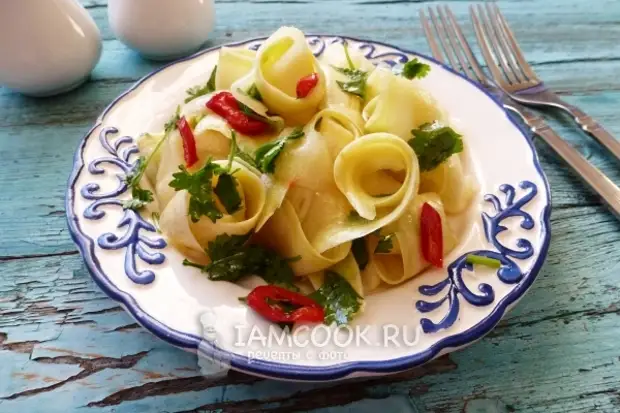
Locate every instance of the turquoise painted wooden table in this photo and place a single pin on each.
(64, 346)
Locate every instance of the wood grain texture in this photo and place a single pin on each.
(65, 347)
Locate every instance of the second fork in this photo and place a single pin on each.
(462, 58)
(516, 77)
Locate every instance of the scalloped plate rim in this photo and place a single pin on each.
(286, 371)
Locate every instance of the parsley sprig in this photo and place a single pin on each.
(197, 91)
(140, 197)
(338, 298)
(415, 69)
(267, 154)
(232, 258)
(200, 188)
(226, 188)
(433, 144)
(199, 185)
(356, 84)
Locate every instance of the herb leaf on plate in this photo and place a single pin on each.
(140, 197)
(227, 193)
(199, 187)
(338, 299)
(356, 83)
(231, 259)
(226, 188)
(197, 91)
(434, 144)
(415, 69)
(267, 154)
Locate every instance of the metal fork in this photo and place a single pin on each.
(515, 76)
(462, 59)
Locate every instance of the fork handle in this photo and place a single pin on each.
(591, 175)
(595, 129)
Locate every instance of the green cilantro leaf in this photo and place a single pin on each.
(134, 203)
(226, 191)
(225, 245)
(267, 154)
(385, 244)
(197, 91)
(338, 298)
(141, 197)
(433, 145)
(356, 85)
(226, 188)
(415, 69)
(199, 186)
(172, 123)
(236, 151)
(254, 93)
(231, 259)
(276, 270)
(360, 253)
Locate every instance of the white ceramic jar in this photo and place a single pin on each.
(162, 29)
(46, 47)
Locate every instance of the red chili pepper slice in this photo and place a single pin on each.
(265, 298)
(306, 84)
(225, 105)
(432, 235)
(189, 143)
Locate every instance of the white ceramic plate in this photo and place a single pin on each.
(433, 314)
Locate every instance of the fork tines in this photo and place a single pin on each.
(452, 40)
(498, 44)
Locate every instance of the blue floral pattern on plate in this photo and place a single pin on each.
(508, 273)
(135, 243)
